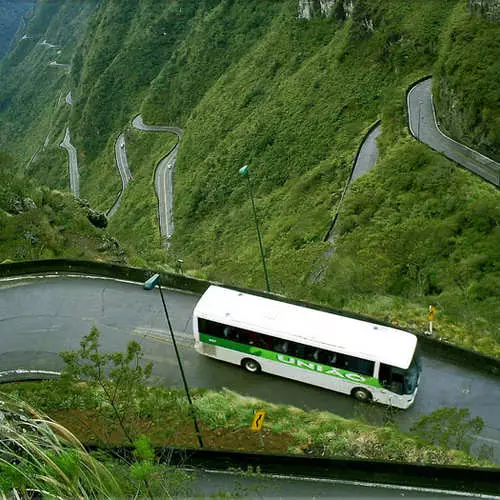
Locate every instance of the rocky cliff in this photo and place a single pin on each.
(466, 77)
(325, 8)
(490, 9)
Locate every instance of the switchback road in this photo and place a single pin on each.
(41, 317)
(123, 168)
(163, 177)
(74, 176)
(424, 127)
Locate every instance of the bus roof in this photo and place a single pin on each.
(308, 326)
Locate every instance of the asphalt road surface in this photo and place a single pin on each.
(74, 176)
(368, 154)
(163, 177)
(423, 126)
(215, 484)
(123, 168)
(41, 317)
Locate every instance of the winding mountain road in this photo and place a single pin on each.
(123, 168)
(424, 127)
(74, 175)
(163, 177)
(61, 310)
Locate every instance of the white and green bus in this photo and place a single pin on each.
(368, 361)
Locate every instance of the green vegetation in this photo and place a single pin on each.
(39, 223)
(11, 16)
(251, 83)
(40, 457)
(136, 221)
(466, 87)
(31, 90)
(115, 406)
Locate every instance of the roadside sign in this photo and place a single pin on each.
(258, 421)
(432, 313)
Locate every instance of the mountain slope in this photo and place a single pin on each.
(11, 15)
(467, 76)
(253, 83)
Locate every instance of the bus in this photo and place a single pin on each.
(368, 361)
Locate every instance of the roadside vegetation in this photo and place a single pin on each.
(40, 223)
(292, 98)
(136, 221)
(467, 74)
(106, 399)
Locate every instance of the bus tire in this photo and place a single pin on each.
(250, 365)
(361, 394)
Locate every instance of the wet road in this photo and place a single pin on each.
(74, 175)
(123, 169)
(41, 317)
(163, 177)
(423, 126)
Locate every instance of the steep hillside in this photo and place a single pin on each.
(32, 90)
(39, 223)
(292, 95)
(11, 16)
(467, 78)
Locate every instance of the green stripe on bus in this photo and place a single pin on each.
(290, 360)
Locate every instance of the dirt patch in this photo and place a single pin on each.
(90, 427)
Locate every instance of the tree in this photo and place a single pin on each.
(119, 377)
(449, 428)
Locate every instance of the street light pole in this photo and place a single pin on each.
(245, 172)
(149, 285)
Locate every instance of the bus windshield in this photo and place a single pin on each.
(401, 381)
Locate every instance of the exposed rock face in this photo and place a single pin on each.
(97, 218)
(490, 9)
(326, 8)
(20, 206)
(306, 9)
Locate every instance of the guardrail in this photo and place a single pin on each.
(431, 346)
(435, 477)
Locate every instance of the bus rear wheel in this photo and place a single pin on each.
(251, 365)
(361, 394)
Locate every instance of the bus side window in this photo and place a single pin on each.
(299, 350)
(266, 342)
(281, 346)
(324, 357)
(359, 365)
(254, 339)
(230, 333)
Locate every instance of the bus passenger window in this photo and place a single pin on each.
(281, 347)
(253, 339)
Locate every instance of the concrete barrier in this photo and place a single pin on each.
(436, 477)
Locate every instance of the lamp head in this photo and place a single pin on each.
(152, 282)
(244, 170)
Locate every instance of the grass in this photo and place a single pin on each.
(292, 98)
(224, 418)
(40, 457)
(135, 223)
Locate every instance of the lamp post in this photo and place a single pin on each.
(246, 173)
(149, 285)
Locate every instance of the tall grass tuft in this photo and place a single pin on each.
(40, 457)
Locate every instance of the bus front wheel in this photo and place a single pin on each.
(361, 394)
(251, 366)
